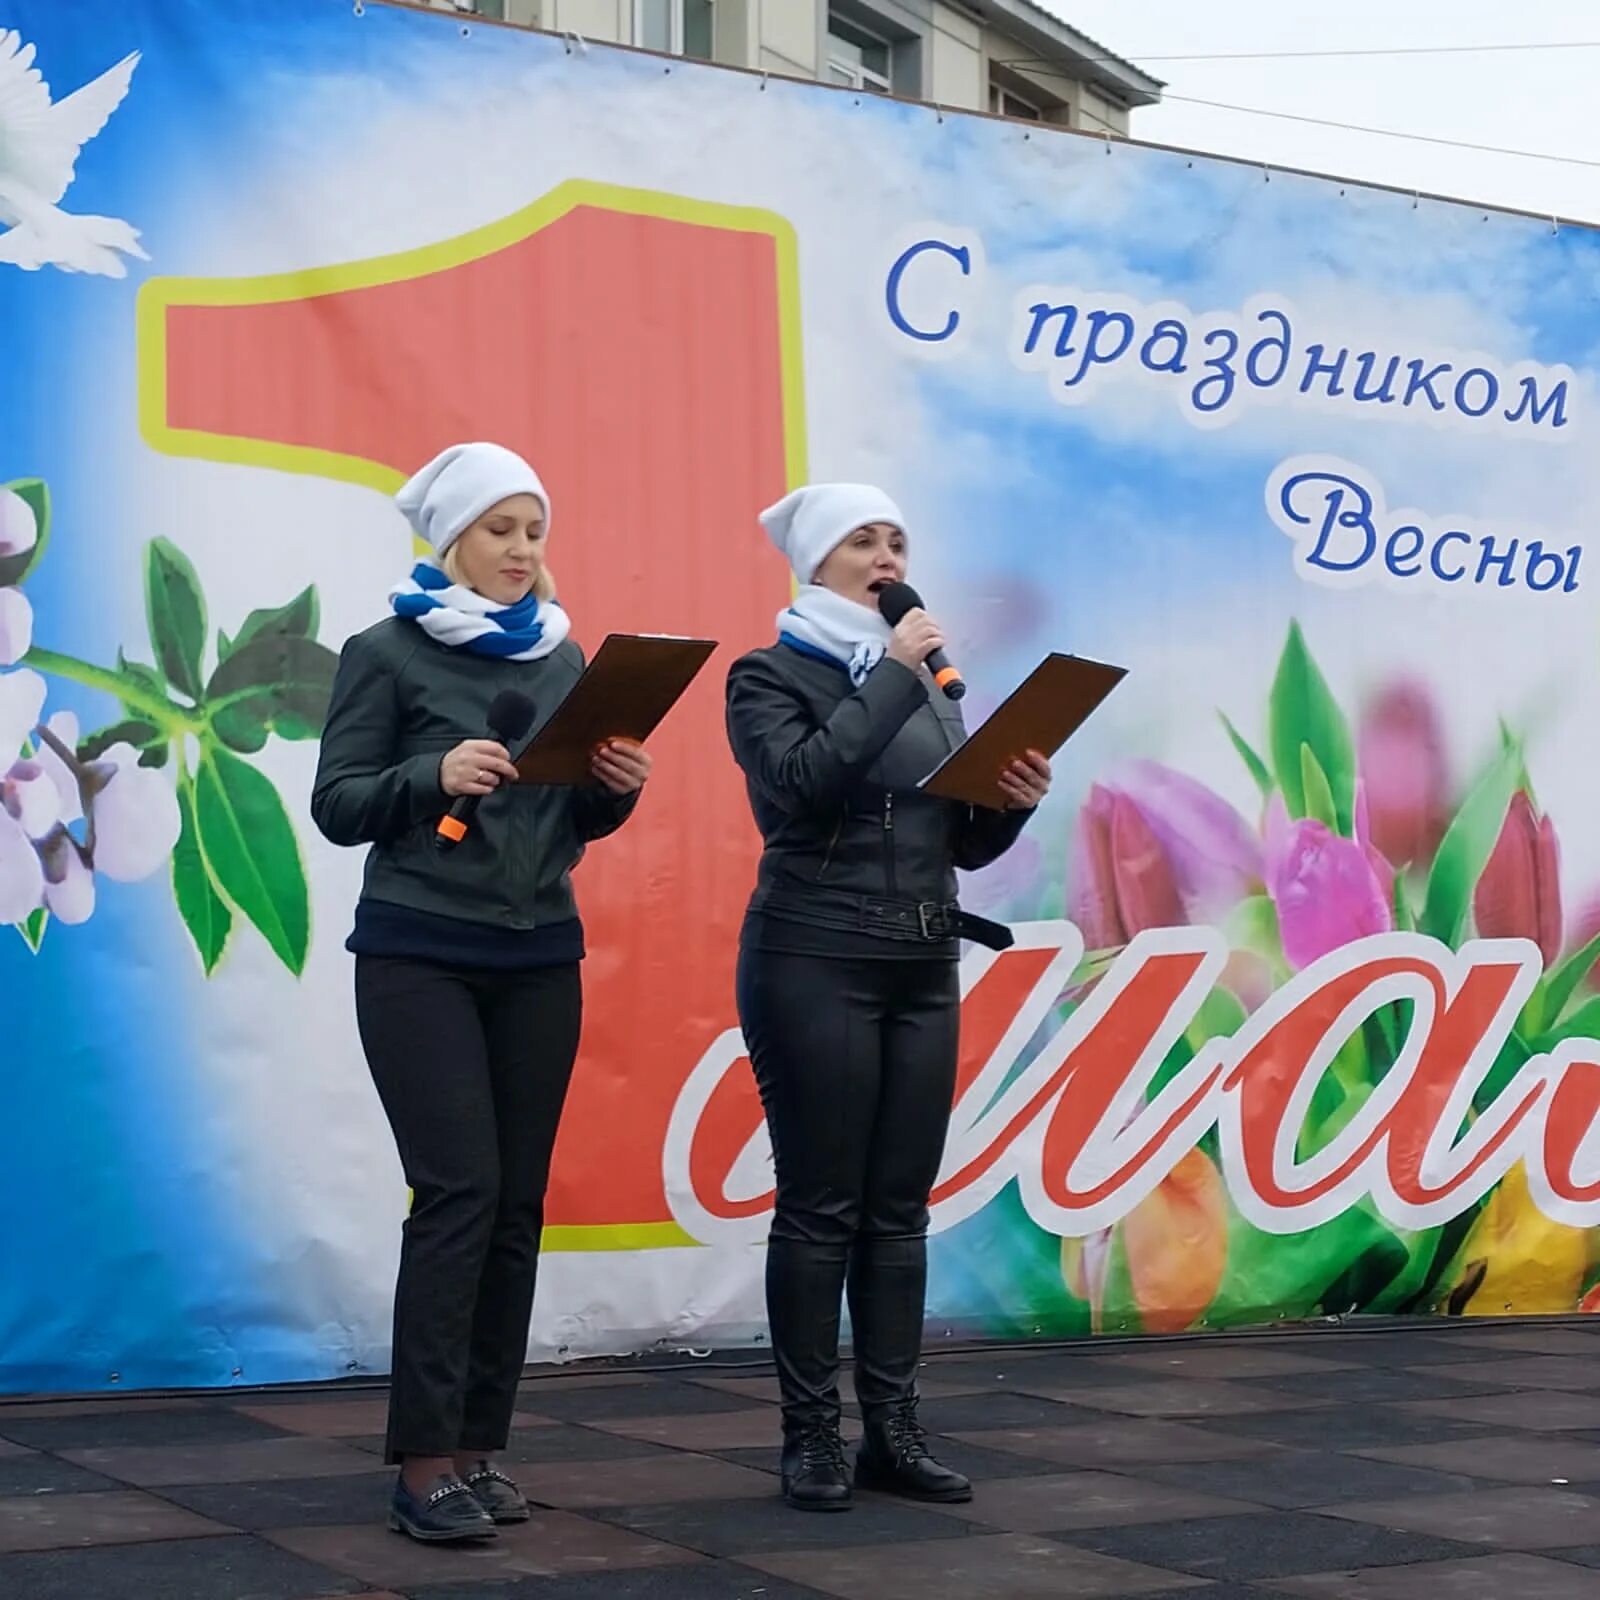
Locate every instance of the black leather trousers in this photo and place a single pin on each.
(856, 1063)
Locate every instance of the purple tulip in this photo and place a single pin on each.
(1326, 889)
(1214, 857)
(1402, 763)
(1519, 894)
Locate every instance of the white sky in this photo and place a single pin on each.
(1539, 100)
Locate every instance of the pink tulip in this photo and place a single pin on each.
(1400, 752)
(1325, 888)
(1156, 849)
(1519, 894)
(1122, 882)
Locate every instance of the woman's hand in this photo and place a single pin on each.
(916, 636)
(621, 765)
(476, 766)
(1026, 782)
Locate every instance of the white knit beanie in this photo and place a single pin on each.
(443, 500)
(808, 523)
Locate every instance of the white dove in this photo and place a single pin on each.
(40, 141)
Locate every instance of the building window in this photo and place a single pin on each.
(857, 57)
(675, 27)
(1004, 103)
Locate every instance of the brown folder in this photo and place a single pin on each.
(633, 681)
(1041, 713)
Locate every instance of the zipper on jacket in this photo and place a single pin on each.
(888, 843)
(827, 855)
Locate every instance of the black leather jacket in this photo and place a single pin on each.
(400, 701)
(832, 773)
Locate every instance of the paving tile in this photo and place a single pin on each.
(735, 1527)
(345, 1419)
(102, 1406)
(723, 1430)
(564, 1441)
(290, 1502)
(557, 1380)
(1271, 1544)
(106, 1429)
(1001, 1410)
(29, 1472)
(979, 1464)
(1383, 1386)
(1509, 1458)
(1533, 1372)
(1532, 1410)
(548, 1544)
(119, 1516)
(1486, 1578)
(1253, 1359)
(1426, 1347)
(708, 1580)
(236, 1568)
(1003, 1371)
(1186, 1397)
(1063, 1501)
(289, 1457)
(645, 1480)
(1582, 1341)
(630, 1400)
(1519, 1519)
(1018, 1566)
(1351, 1427)
(1294, 1480)
(1117, 1442)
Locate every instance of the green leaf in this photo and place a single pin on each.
(252, 852)
(1465, 849)
(136, 731)
(1584, 1023)
(175, 610)
(32, 928)
(1513, 1056)
(1302, 711)
(300, 619)
(277, 683)
(205, 914)
(1562, 983)
(1318, 794)
(1221, 1015)
(13, 569)
(1405, 919)
(1256, 766)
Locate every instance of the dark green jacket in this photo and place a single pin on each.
(400, 701)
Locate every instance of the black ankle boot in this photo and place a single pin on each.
(893, 1458)
(814, 1476)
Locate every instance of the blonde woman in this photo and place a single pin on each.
(467, 963)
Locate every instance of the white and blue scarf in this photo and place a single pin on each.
(463, 619)
(822, 623)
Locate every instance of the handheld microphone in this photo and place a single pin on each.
(894, 600)
(510, 716)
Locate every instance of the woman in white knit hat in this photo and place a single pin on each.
(467, 943)
(847, 982)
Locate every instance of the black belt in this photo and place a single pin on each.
(931, 920)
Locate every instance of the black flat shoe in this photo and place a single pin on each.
(893, 1458)
(813, 1470)
(497, 1494)
(448, 1513)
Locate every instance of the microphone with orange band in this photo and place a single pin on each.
(894, 600)
(511, 714)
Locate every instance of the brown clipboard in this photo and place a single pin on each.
(1041, 713)
(633, 681)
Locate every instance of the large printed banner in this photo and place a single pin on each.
(1300, 1018)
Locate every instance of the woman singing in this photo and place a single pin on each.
(847, 983)
(467, 990)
